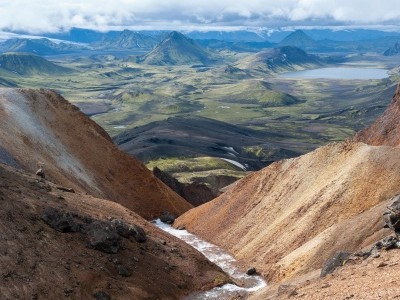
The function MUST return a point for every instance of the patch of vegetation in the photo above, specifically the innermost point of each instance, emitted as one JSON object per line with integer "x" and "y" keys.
{"x": 198, "y": 164}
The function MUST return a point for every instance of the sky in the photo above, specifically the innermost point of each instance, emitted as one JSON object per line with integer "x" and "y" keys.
{"x": 38, "y": 16}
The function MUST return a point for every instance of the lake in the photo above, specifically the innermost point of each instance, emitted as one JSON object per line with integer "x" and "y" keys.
{"x": 338, "y": 73}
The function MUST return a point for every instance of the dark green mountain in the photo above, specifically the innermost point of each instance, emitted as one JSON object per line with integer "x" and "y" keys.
{"x": 193, "y": 136}
{"x": 177, "y": 49}
{"x": 298, "y": 39}
{"x": 392, "y": 51}
{"x": 28, "y": 46}
{"x": 38, "y": 46}
{"x": 127, "y": 40}
{"x": 29, "y": 64}
{"x": 280, "y": 59}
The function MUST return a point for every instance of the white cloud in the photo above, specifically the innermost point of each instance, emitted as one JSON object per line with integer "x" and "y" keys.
{"x": 51, "y": 15}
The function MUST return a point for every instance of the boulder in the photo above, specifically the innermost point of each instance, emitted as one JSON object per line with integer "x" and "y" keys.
{"x": 391, "y": 216}
{"x": 103, "y": 237}
{"x": 59, "y": 220}
{"x": 40, "y": 173}
{"x": 123, "y": 271}
{"x": 167, "y": 217}
{"x": 101, "y": 295}
{"x": 251, "y": 271}
{"x": 338, "y": 260}
{"x": 125, "y": 230}
{"x": 121, "y": 227}
{"x": 387, "y": 243}
{"x": 138, "y": 233}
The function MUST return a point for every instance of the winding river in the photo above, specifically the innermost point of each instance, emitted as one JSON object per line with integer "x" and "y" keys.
{"x": 222, "y": 259}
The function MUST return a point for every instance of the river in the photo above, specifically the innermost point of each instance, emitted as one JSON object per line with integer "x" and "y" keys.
{"x": 222, "y": 259}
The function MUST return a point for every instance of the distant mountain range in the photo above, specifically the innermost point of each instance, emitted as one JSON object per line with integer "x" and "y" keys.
{"x": 298, "y": 39}
{"x": 177, "y": 49}
{"x": 315, "y": 40}
{"x": 274, "y": 36}
{"x": 392, "y": 51}
{"x": 41, "y": 46}
{"x": 126, "y": 40}
{"x": 29, "y": 64}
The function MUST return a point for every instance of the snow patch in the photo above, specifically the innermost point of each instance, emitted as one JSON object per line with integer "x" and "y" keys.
{"x": 230, "y": 149}
{"x": 235, "y": 163}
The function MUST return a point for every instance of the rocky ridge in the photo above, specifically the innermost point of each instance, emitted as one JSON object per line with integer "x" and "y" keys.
{"x": 42, "y": 129}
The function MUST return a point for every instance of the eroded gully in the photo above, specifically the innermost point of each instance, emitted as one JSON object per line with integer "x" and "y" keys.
{"x": 226, "y": 262}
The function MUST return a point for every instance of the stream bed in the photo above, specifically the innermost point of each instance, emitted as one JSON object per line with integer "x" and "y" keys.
{"x": 222, "y": 259}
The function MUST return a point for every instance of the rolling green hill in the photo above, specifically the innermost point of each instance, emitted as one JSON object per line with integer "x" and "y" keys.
{"x": 29, "y": 64}
{"x": 253, "y": 92}
{"x": 177, "y": 49}
{"x": 281, "y": 59}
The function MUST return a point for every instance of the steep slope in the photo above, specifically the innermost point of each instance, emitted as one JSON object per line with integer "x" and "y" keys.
{"x": 298, "y": 39}
{"x": 27, "y": 46}
{"x": 187, "y": 136}
{"x": 42, "y": 128}
{"x": 295, "y": 214}
{"x": 177, "y": 49}
{"x": 392, "y": 51}
{"x": 39, "y": 262}
{"x": 29, "y": 64}
{"x": 386, "y": 129}
{"x": 282, "y": 59}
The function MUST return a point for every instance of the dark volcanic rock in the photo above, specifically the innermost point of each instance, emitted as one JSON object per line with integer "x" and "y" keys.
{"x": 138, "y": 233}
{"x": 101, "y": 295}
{"x": 387, "y": 243}
{"x": 195, "y": 193}
{"x": 167, "y": 217}
{"x": 121, "y": 227}
{"x": 103, "y": 237}
{"x": 60, "y": 221}
{"x": 391, "y": 216}
{"x": 40, "y": 173}
{"x": 334, "y": 262}
{"x": 251, "y": 271}
{"x": 127, "y": 231}
{"x": 123, "y": 271}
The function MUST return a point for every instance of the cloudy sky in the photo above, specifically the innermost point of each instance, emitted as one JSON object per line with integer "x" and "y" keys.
{"x": 54, "y": 15}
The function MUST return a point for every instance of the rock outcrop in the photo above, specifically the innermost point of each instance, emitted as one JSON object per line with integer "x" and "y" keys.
{"x": 195, "y": 193}
{"x": 41, "y": 127}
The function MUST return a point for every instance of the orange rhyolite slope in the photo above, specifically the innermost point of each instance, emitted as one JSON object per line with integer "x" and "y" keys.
{"x": 41, "y": 127}
{"x": 289, "y": 218}
{"x": 38, "y": 262}
{"x": 386, "y": 129}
